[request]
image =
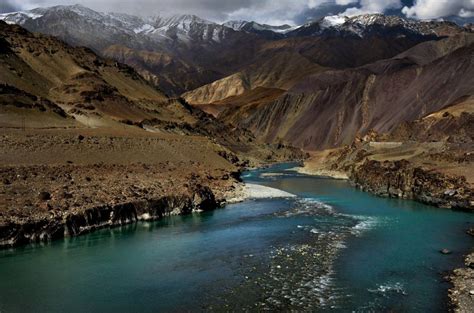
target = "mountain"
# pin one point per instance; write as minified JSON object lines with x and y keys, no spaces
{"x":332,"y":108}
{"x":111,"y":34}
{"x":324,"y":68}
{"x":184,"y":52}
{"x":75,"y":79}
{"x":47,"y":84}
{"x":282,"y":63}
{"x":116,"y":26}
{"x":165,"y":71}
{"x":332,"y":42}
{"x":274,"y":69}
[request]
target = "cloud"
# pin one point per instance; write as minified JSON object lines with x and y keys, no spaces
{"x":372,"y":6}
{"x":346,"y":2}
{"x":274,"y":11}
{"x":6,"y":6}
{"x":431,"y":9}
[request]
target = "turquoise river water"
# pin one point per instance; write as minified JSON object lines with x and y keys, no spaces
{"x":330,"y":249}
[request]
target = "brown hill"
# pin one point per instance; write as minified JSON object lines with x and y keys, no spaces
{"x":250,"y":98}
{"x":75,"y":79}
{"x":45,"y":83}
{"x":271,"y":70}
{"x":162,"y":69}
{"x":453,"y":124}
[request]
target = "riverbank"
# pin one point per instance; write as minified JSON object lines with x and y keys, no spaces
{"x":51,"y":202}
{"x":65,"y":182}
{"x":56,"y":183}
{"x":393,"y":172}
{"x":461,"y":295}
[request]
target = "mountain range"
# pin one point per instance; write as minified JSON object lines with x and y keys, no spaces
{"x":183,"y":52}
{"x":316,"y":86}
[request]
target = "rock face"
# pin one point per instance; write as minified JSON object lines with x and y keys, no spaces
{"x":400,"y":179}
{"x":24,"y":231}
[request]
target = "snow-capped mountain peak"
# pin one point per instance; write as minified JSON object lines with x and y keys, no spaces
{"x":183,"y":19}
{"x":367,"y":24}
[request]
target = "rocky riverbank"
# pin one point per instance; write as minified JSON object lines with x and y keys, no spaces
{"x":57,"y":182}
{"x":400,"y":179}
{"x":73,"y":223}
{"x":461,"y":295}
{"x":51,"y":202}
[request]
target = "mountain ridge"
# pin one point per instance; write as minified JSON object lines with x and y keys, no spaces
{"x":204,"y":51}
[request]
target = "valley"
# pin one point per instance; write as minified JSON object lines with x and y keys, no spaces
{"x":111,"y":119}
{"x":88,"y":143}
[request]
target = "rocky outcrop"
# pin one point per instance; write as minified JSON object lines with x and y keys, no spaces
{"x":74,"y":223}
{"x":399,"y":179}
{"x":461,"y":295}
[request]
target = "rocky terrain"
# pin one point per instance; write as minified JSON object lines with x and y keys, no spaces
{"x":86,"y":142}
{"x":399,"y":179}
{"x":462,"y":292}
{"x":429,"y":159}
{"x":58,"y":183}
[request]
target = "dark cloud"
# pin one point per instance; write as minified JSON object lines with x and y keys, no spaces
{"x":6,"y":6}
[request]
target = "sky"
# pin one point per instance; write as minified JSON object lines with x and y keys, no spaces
{"x":274,"y":12}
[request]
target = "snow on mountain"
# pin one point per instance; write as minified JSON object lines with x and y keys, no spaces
{"x":242,"y":25}
{"x":19,"y":17}
{"x":177,"y":27}
{"x":146,"y":28}
{"x":366,"y":24}
{"x":236,"y":25}
{"x":187,"y":28}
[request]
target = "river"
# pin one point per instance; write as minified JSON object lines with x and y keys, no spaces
{"x":330,"y":248}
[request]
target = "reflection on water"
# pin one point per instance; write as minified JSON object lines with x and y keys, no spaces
{"x":331,"y":249}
